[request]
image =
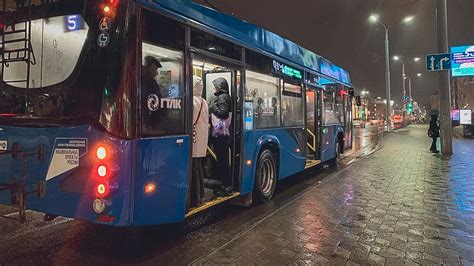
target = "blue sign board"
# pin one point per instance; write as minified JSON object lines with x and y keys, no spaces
{"x":462,"y":61}
{"x":438,"y":62}
{"x":73,"y":23}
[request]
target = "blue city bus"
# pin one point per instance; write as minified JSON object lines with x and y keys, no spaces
{"x":83,"y":136}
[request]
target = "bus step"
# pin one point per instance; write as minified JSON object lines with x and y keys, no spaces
{"x":312,"y":163}
{"x":210,"y":204}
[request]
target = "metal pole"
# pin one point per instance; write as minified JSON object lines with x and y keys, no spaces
{"x":388,"y":112}
{"x":404,"y":85}
{"x":409,"y":96}
{"x":409,"y":89}
{"x":444,"y":86}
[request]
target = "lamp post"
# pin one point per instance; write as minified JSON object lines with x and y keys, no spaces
{"x":374,"y":18}
{"x":404,"y":76}
{"x":418,"y":75}
{"x":398,"y":58}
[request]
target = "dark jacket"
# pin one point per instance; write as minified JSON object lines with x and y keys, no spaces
{"x":434,"y":128}
{"x":221,"y":105}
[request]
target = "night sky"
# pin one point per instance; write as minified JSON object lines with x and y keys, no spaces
{"x":339,"y":30}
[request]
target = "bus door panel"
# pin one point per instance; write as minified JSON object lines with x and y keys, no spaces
{"x":312,"y":127}
{"x":161,"y":183}
{"x":231,"y":77}
{"x":328,"y":143}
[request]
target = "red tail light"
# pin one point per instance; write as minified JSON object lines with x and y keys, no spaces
{"x":101,"y":153}
{"x":109,"y":7}
{"x":102,"y":171}
{"x":102,"y":190}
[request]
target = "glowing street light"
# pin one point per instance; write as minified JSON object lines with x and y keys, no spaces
{"x":408,"y":19}
{"x":375,"y":18}
{"x":416,"y":59}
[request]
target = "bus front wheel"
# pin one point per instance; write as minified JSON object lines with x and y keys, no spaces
{"x":265,"y":177}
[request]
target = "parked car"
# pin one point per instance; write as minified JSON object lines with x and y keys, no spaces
{"x":374,"y":121}
{"x":359,"y":123}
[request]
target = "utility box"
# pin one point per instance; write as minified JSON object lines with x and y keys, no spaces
{"x":468,"y":131}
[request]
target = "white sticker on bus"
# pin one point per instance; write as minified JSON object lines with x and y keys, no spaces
{"x":66,"y":156}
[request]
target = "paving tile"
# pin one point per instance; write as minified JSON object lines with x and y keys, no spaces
{"x":400,"y":206}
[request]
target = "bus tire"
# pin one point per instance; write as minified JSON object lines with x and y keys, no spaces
{"x":265,"y":177}
{"x":337,"y":150}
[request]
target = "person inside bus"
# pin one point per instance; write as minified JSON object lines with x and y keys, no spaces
{"x":258,"y":113}
{"x":220,"y":109}
{"x":200,"y":139}
{"x":149,"y":83}
{"x":275,"y":111}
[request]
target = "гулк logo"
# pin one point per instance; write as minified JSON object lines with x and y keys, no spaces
{"x":153,"y":102}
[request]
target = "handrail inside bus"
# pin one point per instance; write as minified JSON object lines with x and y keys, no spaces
{"x":313,"y":147}
{"x":213,"y":155}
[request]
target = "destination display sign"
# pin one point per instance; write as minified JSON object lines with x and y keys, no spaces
{"x":286,"y":70}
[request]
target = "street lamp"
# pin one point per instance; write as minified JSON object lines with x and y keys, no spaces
{"x":419,"y":75}
{"x":404,"y":75}
{"x":408,"y":19}
{"x":375,"y":18}
{"x":398,"y":58}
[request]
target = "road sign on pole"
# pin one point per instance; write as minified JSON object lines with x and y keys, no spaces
{"x":438,"y":62}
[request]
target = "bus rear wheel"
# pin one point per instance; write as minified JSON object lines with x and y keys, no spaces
{"x":265,"y":177}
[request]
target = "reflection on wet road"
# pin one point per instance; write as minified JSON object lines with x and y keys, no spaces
{"x":66,"y":241}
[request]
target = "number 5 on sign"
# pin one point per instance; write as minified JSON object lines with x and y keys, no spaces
{"x":73,"y":23}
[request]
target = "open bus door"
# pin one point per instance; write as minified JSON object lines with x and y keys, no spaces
{"x":211,"y":172}
{"x":313,"y":126}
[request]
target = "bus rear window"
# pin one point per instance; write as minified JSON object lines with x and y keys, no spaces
{"x":56,"y":45}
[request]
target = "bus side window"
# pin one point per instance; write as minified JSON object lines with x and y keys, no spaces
{"x":262,"y":101}
{"x":162,"y":76}
{"x":328,"y":106}
{"x":339,"y":105}
{"x":292,"y":105}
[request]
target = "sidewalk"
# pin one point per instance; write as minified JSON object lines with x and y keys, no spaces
{"x":401,"y":205}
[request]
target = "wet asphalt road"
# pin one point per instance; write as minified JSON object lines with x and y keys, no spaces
{"x":67,"y":241}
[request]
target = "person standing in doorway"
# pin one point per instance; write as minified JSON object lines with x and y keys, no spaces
{"x":221,"y":116}
{"x":200,"y":139}
{"x":433,"y":132}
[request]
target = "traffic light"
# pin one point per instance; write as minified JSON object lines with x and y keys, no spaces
{"x":358,"y":101}
{"x":409,"y":108}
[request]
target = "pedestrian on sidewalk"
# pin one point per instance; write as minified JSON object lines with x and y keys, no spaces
{"x":433,"y":132}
